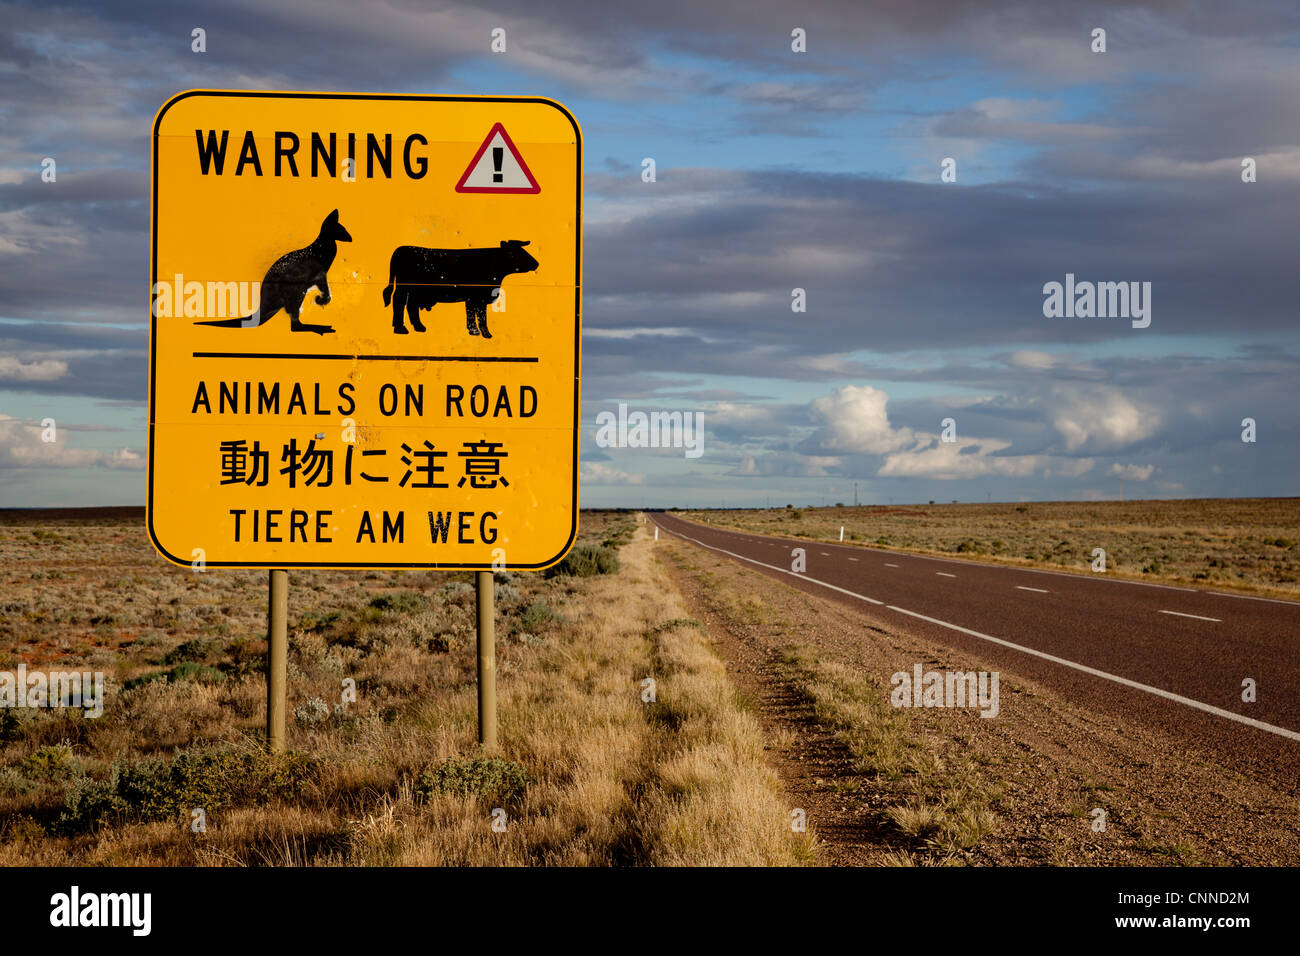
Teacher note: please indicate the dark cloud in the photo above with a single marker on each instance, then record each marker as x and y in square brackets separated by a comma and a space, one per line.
[925, 290]
[894, 265]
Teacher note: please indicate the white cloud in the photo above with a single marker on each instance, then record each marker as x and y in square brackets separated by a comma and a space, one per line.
[738, 414]
[1132, 472]
[596, 473]
[1027, 358]
[1282, 165]
[1099, 418]
[855, 420]
[21, 447]
[974, 458]
[788, 465]
[591, 332]
[125, 458]
[44, 370]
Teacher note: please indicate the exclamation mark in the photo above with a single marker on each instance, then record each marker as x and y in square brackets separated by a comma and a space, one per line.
[498, 153]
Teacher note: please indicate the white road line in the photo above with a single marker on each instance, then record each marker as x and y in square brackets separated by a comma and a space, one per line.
[1196, 616]
[1060, 574]
[853, 559]
[1021, 587]
[793, 574]
[1167, 695]
[825, 554]
[1146, 688]
[944, 574]
[1251, 597]
[888, 565]
[1068, 574]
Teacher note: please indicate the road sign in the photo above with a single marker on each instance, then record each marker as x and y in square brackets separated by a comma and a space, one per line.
[497, 167]
[355, 362]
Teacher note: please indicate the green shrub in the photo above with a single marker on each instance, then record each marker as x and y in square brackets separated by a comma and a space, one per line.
[618, 535]
[14, 722]
[190, 670]
[403, 602]
[313, 711]
[48, 763]
[459, 591]
[158, 790]
[89, 804]
[143, 679]
[442, 642]
[493, 779]
[319, 620]
[186, 670]
[537, 617]
[586, 560]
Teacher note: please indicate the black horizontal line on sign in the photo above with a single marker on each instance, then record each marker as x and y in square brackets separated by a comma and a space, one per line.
[368, 358]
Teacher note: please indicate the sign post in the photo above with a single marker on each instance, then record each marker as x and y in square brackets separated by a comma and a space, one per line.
[365, 340]
[277, 669]
[487, 662]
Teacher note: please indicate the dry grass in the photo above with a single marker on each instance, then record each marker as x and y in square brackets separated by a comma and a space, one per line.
[935, 796]
[587, 773]
[1248, 544]
[932, 793]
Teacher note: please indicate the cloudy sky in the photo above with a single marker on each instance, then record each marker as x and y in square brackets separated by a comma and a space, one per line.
[776, 170]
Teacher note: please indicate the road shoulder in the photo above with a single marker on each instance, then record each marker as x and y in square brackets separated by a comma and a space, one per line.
[952, 787]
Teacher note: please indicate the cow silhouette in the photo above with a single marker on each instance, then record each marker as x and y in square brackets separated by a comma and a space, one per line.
[420, 278]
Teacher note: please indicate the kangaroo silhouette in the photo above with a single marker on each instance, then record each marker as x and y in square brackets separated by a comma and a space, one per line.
[291, 276]
[420, 278]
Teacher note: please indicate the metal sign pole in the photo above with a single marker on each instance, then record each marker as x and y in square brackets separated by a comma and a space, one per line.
[487, 662]
[277, 663]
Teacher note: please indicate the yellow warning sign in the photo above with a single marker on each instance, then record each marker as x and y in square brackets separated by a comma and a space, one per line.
[366, 330]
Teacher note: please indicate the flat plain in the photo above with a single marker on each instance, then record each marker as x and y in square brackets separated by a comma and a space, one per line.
[659, 704]
[1246, 544]
[591, 769]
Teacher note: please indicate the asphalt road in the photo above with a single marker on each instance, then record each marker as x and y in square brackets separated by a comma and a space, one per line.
[1172, 658]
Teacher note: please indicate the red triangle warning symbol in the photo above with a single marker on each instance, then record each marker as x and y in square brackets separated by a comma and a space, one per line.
[497, 167]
